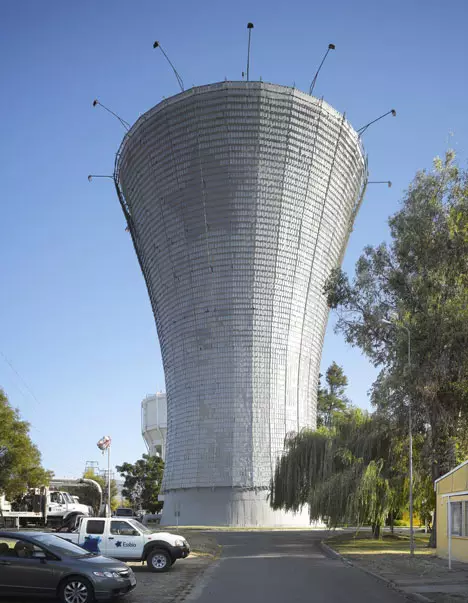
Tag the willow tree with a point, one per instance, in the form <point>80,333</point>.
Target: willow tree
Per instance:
<point>355,473</point>
<point>419,281</point>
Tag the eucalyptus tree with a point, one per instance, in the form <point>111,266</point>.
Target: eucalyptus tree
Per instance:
<point>418,281</point>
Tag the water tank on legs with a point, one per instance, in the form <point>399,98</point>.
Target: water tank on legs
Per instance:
<point>154,423</point>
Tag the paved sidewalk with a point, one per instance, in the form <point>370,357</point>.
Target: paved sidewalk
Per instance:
<point>431,577</point>
<point>425,575</point>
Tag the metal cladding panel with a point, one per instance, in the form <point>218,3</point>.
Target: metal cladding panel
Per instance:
<point>240,197</point>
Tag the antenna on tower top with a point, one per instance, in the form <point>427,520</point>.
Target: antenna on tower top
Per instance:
<point>387,182</point>
<point>364,128</point>
<point>179,79</point>
<point>125,124</point>
<point>249,27</point>
<point>91,176</point>
<point>312,85</point>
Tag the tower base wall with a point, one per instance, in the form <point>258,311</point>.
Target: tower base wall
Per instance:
<point>233,507</point>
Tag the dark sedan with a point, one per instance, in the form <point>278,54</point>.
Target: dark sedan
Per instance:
<point>41,564</point>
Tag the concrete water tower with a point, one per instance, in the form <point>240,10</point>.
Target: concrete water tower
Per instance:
<point>154,424</point>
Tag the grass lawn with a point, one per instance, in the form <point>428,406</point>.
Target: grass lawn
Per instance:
<point>362,543</point>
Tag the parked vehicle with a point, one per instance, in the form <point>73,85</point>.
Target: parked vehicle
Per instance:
<point>127,513</point>
<point>43,507</point>
<point>39,563</point>
<point>129,540</point>
<point>151,518</point>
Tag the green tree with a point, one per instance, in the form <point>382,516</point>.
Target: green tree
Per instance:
<point>142,482</point>
<point>351,474</point>
<point>332,400</point>
<point>89,496</point>
<point>20,464</point>
<point>418,281</point>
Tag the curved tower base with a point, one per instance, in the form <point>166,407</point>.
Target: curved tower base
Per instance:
<point>234,507</point>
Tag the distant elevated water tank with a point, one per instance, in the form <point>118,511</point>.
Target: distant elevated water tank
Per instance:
<point>154,424</point>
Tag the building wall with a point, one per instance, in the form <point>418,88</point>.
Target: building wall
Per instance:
<point>452,484</point>
<point>240,198</point>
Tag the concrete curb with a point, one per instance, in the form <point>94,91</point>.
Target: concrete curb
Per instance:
<point>388,583</point>
<point>329,552</point>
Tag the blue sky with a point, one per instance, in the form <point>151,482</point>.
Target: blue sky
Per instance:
<point>75,320</point>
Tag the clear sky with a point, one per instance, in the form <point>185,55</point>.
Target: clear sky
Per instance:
<point>76,328</point>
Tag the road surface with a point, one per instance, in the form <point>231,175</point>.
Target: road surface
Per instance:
<point>284,567</point>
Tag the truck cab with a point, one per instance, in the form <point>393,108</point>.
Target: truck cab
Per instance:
<point>129,540</point>
<point>62,505</point>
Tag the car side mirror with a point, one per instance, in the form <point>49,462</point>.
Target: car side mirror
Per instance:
<point>38,555</point>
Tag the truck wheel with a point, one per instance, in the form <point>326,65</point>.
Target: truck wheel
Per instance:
<point>76,589</point>
<point>158,560</point>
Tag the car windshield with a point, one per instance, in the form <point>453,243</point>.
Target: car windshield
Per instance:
<point>59,546</point>
<point>67,497</point>
<point>139,526</point>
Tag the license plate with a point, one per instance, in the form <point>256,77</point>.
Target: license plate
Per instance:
<point>132,580</point>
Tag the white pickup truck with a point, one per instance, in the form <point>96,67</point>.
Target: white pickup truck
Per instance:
<point>128,540</point>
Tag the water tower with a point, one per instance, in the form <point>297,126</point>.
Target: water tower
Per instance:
<point>154,424</point>
<point>240,198</point>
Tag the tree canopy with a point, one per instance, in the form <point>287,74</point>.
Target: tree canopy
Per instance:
<point>20,463</point>
<point>331,400</point>
<point>418,282</point>
<point>142,482</point>
<point>354,473</point>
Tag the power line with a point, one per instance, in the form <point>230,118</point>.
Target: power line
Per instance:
<point>32,394</point>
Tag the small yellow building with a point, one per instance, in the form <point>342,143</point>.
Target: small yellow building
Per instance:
<point>452,514</point>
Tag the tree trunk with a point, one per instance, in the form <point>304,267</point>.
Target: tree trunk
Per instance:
<point>392,523</point>
<point>433,536</point>
<point>376,531</point>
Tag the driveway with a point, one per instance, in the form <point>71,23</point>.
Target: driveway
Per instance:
<point>280,567</point>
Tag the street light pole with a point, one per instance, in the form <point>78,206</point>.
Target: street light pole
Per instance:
<point>410,434</point>
<point>410,429</point>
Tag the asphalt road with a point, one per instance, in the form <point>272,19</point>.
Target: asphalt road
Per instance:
<point>284,567</point>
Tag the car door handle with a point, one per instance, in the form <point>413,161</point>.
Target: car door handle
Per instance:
<point>111,538</point>
<point>5,562</point>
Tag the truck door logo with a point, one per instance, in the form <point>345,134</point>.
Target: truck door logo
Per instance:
<point>119,544</point>
<point>91,544</point>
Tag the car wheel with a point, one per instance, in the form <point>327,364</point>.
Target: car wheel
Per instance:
<point>158,560</point>
<point>76,590</point>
